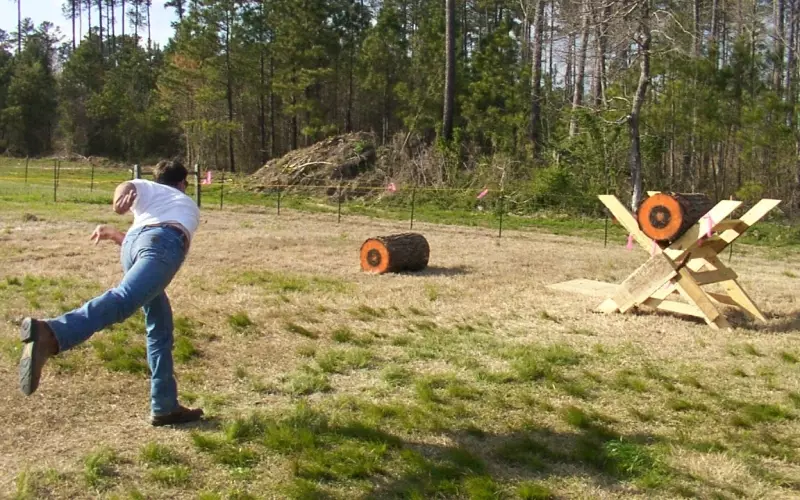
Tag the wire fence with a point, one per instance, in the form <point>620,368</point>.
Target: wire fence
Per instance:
<point>502,209</point>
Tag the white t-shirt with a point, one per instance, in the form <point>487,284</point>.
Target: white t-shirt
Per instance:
<point>158,203</point>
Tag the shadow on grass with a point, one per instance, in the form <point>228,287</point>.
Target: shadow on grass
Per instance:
<point>327,455</point>
<point>442,271</point>
<point>484,465</point>
<point>776,323</point>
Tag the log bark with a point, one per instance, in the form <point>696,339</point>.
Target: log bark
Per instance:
<point>664,217</point>
<point>395,253</point>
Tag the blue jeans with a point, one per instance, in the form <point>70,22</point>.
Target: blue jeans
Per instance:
<point>151,256</point>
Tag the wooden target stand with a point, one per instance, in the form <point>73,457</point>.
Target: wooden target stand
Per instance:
<point>686,265</point>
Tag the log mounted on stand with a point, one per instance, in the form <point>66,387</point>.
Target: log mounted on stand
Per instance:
<point>395,253</point>
<point>664,217</point>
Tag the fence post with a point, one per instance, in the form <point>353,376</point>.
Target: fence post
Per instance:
<point>280,190</point>
<point>55,181</point>
<point>136,173</point>
<point>502,209</point>
<point>221,187</point>
<point>413,200</point>
<point>58,172</point>
<point>26,170</point>
<point>605,241</point>
<point>91,185</point>
<point>197,188</point>
<point>340,206</point>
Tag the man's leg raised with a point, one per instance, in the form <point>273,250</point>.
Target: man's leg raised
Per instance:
<point>145,279</point>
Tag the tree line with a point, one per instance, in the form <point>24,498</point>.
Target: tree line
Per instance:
<point>574,96</point>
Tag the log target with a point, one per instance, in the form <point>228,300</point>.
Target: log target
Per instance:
<point>395,253</point>
<point>664,217</point>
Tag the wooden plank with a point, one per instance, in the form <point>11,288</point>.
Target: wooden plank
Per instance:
<point>735,224</point>
<point>675,307</point>
<point>627,220</point>
<point>708,277</point>
<point>586,287</point>
<point>723,299</point>
<point>749,219</point>
<point>644,281</point>
<point>738,295</point>
<point>689,288</point>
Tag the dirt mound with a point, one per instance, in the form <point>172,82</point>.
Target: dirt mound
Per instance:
<point>341,164</point>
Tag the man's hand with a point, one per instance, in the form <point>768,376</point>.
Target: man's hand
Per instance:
<point>124,196</point>
<point>104,232</point>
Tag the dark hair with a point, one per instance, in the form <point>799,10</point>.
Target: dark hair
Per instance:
<point>170,173</point>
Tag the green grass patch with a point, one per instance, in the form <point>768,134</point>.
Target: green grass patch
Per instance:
<point>176,475</point>
<point>751,414</point>
<point>344,360</point>
<point>154,454</point>
<point>184,350</point>
<point>304,381</point>
<point>240,321</point>
<point>789,357</point>
<point>122,352</point>
<point>628,380</point>
<point>396,375</point>
<point>367,313</point>
<point>300,330</point>
<point>529,490</point>
<point>99,468</point>
<point>36,484</point>
<point>286,282</point>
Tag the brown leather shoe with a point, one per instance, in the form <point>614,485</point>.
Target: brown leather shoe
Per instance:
<point>180,416</point>
<point>39,344</point>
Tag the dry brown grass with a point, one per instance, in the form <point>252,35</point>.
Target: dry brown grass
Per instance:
<point>456,350</point>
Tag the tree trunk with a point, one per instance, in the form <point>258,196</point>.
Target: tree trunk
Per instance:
<point>122,23</point>
<point>262,112</point>
<point>19,27</point>
<point>569,70</point>
<point>228,87</point>
<point>789,86</point>
<point>698,35</point>
<point>635,157</point>
<point>100,23</point>
<point>577,94</point>
<point>601,45</point>
<point>272,143</point>
<point>713,53</point>
<point>111,7</point>
<point>89,18</point>
<point>348,116</point>
<point>780,32</point>
<point>147,5</point>
<point>74,15</point>
<point>450,71</point>
<point>536,77</point>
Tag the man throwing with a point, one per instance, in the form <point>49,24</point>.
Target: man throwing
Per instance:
<point>152,252</point>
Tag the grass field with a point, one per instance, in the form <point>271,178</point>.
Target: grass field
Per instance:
<point>468,380</point>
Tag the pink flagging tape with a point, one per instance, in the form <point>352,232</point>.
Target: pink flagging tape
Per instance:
<point>482,193</point>
<point>207,180</point>
<point>629,246</point>
<point>391,187</point>
<point>707,232</point>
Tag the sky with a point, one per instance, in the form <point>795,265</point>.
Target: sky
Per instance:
<point>50,10</point>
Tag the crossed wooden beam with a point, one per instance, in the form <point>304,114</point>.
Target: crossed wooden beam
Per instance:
<point>687,264</point>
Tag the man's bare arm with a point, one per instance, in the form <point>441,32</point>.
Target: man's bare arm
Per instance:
<point>124,196</point>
